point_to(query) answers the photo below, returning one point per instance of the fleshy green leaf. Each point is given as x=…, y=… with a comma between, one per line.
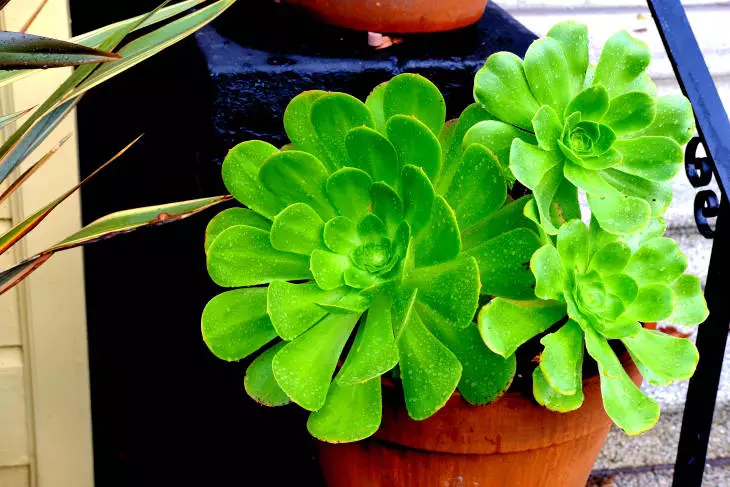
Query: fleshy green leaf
x=374, y=102
x=591, y=182
x=622, y=60
x=340, y=235
x=546, y=69
x=548, y=127
x=501, y=87
x=304, y=367
x=373, y=153
x=497, y=137
x=656, y=228
x=626, y=405
x=414, y=144
x=297, y=229
x=643, y=83
x=260, y=383
x=654, y=158
x=418, y=196
x=230, y=218
x=439, y=242
x=573, y=39
x=452, y=139
x=244, y=256
x=666, y=358
x=658, y=260
x=235, y=323
x=504, y=264
x=430, y=372
x=351, y=413
x=329, y=268
x=620, y=214
x=373, y=352
x=240, y=175
x=574, y=245
x=450, y=290
x=349, y=191
x=654, y=302
x=592, y=104
x=297, y=177
x=674, y=118
x=691, y=308
x=530, y=164
x=387, y=206
x=333, y=115
x=621, y=327
x=478, y=188
x=352, y=302
x=622, y=286
x=549, y=273
x=657, y=194
x=413, y=95
x=371, y=228
x=294, y=308
x=630, y=112
x=552, y=399
x=562, y=360
x=611, y=258
x=485, y=375
x=358, y=278
x=545, y=194
x=299, y=129
x=510, y=217
x=505, y=325
x=566, y=205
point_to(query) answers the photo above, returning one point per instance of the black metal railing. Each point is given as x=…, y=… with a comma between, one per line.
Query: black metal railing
x=714, y=135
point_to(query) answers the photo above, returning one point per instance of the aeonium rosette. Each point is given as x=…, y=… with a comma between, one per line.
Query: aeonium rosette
x=595, y=287
x=362, y=250
x=564, y=124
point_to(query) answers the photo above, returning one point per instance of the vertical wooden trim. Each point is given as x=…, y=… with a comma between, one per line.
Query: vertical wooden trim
x=52, y=300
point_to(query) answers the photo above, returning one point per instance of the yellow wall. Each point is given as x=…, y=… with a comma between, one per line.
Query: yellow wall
x=45, y=426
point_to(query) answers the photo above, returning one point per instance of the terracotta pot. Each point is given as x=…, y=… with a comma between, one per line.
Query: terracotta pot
x=510, y=443
x=396, y=16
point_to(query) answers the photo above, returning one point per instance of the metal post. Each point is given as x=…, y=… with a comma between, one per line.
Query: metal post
x=714, y=129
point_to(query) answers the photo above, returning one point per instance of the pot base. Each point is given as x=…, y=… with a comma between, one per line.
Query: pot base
x=396, y=16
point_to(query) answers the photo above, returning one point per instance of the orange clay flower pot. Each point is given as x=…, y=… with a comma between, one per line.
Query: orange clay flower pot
x=512, y=442
x=396, y=16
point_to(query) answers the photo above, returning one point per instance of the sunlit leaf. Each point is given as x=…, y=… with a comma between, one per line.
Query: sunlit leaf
x=351, y=413
x=152, y=43
x=304, y=367
x=28, y=51
x=21, y=229
x=260, y=382
x=235, y=323
x=505, y=325
x=18, y=182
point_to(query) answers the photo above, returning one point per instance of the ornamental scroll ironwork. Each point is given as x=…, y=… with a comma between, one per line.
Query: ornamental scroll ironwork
x=699, y=173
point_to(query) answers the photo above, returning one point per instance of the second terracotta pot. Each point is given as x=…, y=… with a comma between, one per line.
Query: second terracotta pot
x=510, y=443
x=396, y=16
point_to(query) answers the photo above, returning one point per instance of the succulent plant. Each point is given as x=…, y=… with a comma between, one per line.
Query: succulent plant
x=598, y=287
x=375, y=222
x=564, y=124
